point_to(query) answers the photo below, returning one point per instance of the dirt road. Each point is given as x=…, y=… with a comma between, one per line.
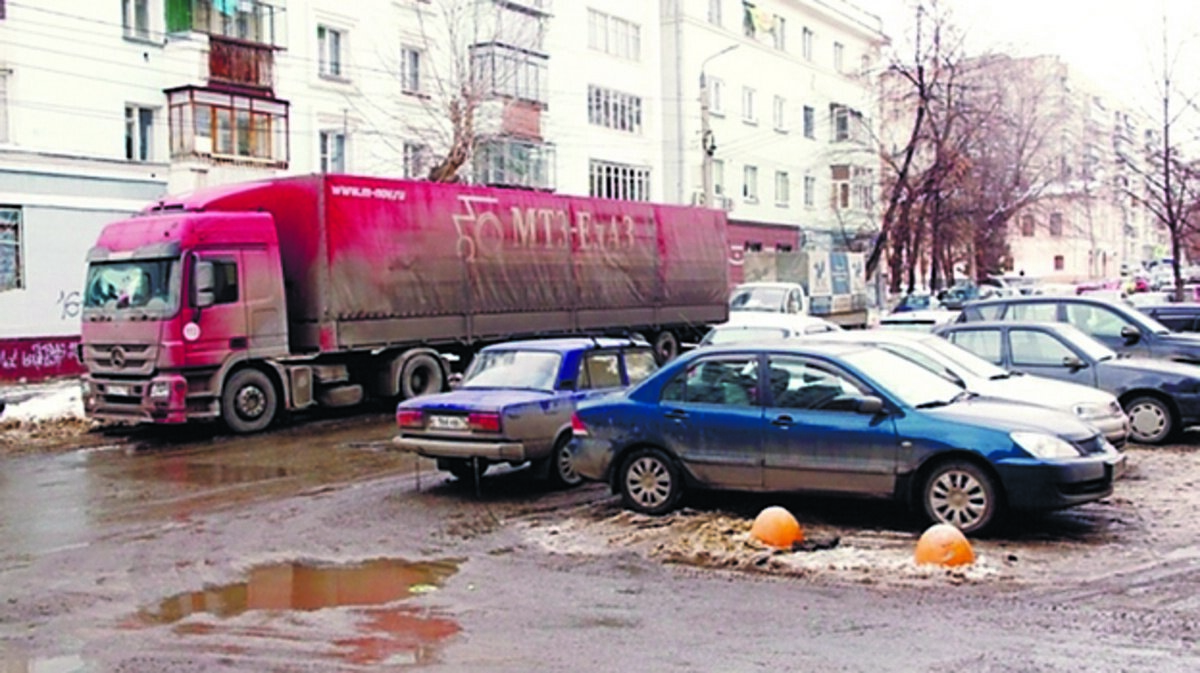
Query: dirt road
x=315, y=548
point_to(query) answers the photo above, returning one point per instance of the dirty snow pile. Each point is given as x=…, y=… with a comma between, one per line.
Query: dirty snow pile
x=41, y=403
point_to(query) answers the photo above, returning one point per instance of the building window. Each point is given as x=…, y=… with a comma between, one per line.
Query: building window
x=806, y=44
x=333, y=152
x=749, y=114
x=1027, y=225
x=416, y=160
x=840, y=187
x=329, y=51
x=779, y=113
x=810, y=122
x=718, y=177
x=1059, y=263
x=864, y=66
x=778, y=36
x=614, y=110
x=715, y=89
x=510, y=72
x=1, y=10
x=750, y=184
x=810, y=191
x=209, y=123
x=135, y=18
x=782, y=189
x=139, y=133
x=1056, y=228
x=510, y=162
x=614, y=36
x=410, y=70
x=609, y=180
x=839, y=55
x=846, y=124
x=714, y=12
x=4, y=105
x=11, y=273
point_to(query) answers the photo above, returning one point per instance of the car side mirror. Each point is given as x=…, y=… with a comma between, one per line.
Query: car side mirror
x=204, y=283
x=870, y=405
x=1073, y=362
x=455, y=381
x=1130, y=334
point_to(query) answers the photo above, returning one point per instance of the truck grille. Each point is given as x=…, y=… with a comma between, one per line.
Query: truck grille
x=119, y=358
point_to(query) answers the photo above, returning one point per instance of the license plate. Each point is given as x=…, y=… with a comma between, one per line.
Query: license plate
x=117, y=389
x=447, y=423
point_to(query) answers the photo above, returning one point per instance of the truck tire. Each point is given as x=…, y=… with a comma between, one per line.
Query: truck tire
x=249, y=402
x=421, y=375
x=666, y=346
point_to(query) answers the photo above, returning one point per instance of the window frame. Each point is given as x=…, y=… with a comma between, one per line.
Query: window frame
x=779, y=114
x=332, y=161
x=331, y=52
x=749, y=111
x=139, y=137
x=410, y=78
x=17, y=226
x=135, y=20
x=782, y=197
x=750, y=183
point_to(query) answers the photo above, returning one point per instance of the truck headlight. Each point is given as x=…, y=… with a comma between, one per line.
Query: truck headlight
x=160, y=390
x=1044, y=446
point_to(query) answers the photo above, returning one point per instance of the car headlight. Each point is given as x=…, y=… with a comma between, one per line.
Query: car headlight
x=1044, y=446
x=160, y=390
x=1091, y=411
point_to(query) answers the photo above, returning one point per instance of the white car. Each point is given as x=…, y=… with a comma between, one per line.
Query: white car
x=918, y=321
x=751, y=327
x=979, y=376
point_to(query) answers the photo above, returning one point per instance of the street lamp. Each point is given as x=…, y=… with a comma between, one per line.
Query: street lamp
x=707, y=144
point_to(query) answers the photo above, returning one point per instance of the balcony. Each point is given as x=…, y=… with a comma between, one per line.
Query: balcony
x=250, y=21
x=233, y=64
x=535, y=7
x=507, y=162
x=219, y=126
x=509, y=72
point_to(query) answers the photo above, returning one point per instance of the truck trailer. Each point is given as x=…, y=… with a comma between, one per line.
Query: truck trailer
x=242, y=302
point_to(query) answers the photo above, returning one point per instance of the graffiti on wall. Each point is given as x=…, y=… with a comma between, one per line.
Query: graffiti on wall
x=39, y=358
x=68, y=304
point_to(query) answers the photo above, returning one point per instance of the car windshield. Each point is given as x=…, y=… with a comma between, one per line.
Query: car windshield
x=960, y=358
x=1094, y=349
x=757, y=299
x=132, y=284
x=729, y=335
x=513, y=369
x=907, y=381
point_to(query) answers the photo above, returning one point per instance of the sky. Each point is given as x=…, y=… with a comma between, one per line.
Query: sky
x=1117, y=44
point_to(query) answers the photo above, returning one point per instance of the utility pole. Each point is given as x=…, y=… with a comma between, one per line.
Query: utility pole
x=708, y=144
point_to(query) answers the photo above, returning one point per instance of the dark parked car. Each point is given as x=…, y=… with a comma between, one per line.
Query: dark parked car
x=515, y=403
x=1161, y=397
x=1181, y=317
x=835, y=418
x=1118, y=325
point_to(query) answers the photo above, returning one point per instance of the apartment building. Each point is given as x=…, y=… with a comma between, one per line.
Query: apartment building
x=791, y=112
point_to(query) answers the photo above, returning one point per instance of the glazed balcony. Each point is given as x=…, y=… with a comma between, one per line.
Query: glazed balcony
x=249, y=21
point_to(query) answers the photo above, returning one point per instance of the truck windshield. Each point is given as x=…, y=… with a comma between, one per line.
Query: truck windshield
x=757, y=299
x=142, y=283
x=513, y=369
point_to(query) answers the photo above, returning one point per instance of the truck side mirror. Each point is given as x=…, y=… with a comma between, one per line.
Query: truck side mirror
x=204, y=283
x=1130, y=334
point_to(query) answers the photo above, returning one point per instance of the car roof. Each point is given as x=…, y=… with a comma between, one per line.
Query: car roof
x=1046, y=299
x=1183, y=307
x=563, y=344
x=797, y=347
x=981, y=324
x=869, y=336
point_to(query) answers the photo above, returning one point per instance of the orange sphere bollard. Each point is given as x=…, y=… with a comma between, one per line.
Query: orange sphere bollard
x=775, y=526
x=943, y=544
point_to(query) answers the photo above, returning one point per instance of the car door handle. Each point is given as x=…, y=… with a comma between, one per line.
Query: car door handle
x=782, y=421
x=676, y=414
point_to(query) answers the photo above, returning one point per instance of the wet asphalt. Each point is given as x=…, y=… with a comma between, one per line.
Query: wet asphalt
x=316, y=548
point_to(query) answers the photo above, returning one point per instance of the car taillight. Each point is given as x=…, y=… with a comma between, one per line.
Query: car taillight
x=482, y=422
x=577, y=427
x=410, y=418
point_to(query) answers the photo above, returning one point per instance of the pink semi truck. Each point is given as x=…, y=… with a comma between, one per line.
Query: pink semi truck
x=243, y=302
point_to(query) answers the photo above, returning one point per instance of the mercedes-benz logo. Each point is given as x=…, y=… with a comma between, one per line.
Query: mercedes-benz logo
x=118, y=357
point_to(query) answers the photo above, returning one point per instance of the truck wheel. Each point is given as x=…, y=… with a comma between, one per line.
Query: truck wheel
x=249, y=402
x=666, y=346
x=421, y=375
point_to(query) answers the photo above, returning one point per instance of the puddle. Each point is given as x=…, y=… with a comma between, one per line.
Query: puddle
x=382, y=634
x=13, y=660
x=307, y=587
x=212, y=474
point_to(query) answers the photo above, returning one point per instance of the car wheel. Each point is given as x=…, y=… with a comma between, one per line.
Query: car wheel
x=961, y=494
x=650, y=482
x=249, y=402
x=1150, y=420
x=561, y=470
x=466, y=470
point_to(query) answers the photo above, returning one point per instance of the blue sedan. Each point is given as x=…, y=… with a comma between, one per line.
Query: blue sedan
x=837, y=419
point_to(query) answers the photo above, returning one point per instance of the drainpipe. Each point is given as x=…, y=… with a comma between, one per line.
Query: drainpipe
x=679, y=153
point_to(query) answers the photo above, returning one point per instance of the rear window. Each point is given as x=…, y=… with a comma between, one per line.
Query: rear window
x=1039, y=312
x=639, y=365
x=984, y=343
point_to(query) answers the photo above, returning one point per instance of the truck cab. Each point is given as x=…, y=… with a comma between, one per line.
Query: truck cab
x=786, y=298
x=173, y=302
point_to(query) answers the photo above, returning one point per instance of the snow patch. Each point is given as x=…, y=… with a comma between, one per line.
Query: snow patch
x=43, y=403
